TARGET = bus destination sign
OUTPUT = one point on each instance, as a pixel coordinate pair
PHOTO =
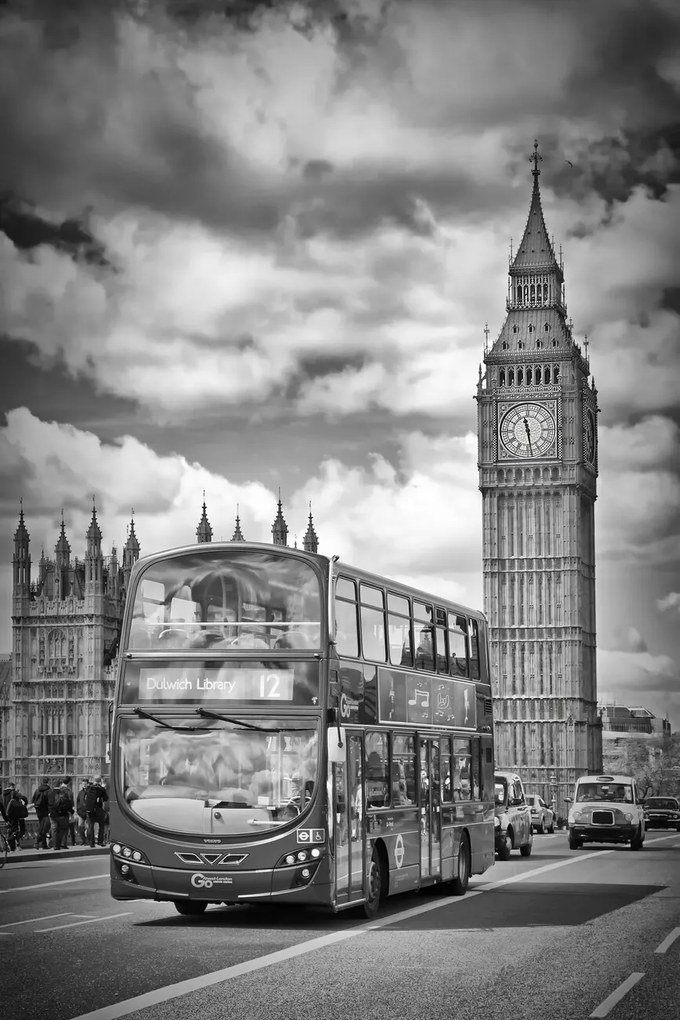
(220, 684)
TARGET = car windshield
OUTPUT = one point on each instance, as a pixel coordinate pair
(662, 803)
(217, 775)
(619, 792)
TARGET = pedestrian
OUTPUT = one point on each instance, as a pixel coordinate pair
(81, 812)
(96, 814)
(6, 798)
(72, 817)
(16, 813)
(60, 808)
(40, 801)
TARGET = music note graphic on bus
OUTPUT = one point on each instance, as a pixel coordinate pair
(443, 701)
(420, 698)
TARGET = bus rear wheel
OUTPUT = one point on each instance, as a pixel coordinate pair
(374, 885)
(190, 908)
(459, 884)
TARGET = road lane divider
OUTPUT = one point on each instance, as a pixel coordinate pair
(36, 920)
(668, 941)
(605, 1008)
(90, 920)
(61, 881)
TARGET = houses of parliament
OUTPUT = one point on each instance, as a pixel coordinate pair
(538, 464)
(57, 693)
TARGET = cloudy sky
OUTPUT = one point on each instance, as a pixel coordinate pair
(249, 246)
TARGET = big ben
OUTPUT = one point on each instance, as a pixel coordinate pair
(538, 464)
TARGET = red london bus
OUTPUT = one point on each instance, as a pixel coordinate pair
(288, 728)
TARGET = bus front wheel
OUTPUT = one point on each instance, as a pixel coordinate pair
(374, 885)
(190, 908)
(460, 883)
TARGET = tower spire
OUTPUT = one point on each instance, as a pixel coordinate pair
(279, 527)
(238, 534)
(204, 532)
(310, 542)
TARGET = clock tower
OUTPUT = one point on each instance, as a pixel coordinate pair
(537, 456)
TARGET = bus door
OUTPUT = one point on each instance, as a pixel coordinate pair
(430, 808)
(348, 808)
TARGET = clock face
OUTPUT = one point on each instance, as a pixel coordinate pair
(589, 436)
(528, 430)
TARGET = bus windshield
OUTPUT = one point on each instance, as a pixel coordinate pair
(219, 776)
(248, 599)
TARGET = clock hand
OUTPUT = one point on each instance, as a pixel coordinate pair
(528, 432)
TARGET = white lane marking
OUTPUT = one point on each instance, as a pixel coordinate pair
(120, 1009)
(46, 885)
(606, 1007)
(34, 920)
(546, 867)
(668, 941)
(92, 920)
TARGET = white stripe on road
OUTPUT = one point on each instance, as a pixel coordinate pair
(34, 920)
(668, 941)
(606, 1007)
(46, 885)
(74, 924)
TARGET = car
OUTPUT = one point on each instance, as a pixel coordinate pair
(606, 809)
(662, 813)
(542, 817)
(512, 816)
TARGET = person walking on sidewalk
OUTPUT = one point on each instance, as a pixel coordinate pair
(41, 803)
(94, 806)
(16, 812)
(61, 809)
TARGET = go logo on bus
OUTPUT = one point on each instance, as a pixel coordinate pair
(200, 881)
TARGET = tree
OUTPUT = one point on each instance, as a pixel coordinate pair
(654, 762)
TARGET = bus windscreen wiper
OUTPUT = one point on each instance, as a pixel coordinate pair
(160, 722)
(207, 714)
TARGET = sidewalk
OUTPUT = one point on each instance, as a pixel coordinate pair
(28, 854)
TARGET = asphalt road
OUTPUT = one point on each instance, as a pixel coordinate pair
(561, 934)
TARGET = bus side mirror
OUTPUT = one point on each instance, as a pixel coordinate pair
(337, 745)
(568, 800)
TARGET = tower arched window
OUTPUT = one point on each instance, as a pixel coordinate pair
(520, 376)
(505, 345)
(546, 328)
(515, 329)
(526, 293)
(520, 345)
(554, 343)
(501, 377)
(545, 291)
(546, 377)
(529, 376)
(531, 328)
(511, 376)
(533, 293)
(538, 374)
(539, 343)
(556, 372)
(519, 294)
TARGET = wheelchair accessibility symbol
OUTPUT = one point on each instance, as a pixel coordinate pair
(399, 850)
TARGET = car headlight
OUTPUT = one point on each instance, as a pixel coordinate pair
(628, 816)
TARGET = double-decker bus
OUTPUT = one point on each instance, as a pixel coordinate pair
(288, 728)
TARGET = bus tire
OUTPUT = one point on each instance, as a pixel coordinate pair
(190, 908)
(459, 884)
(374, 884)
